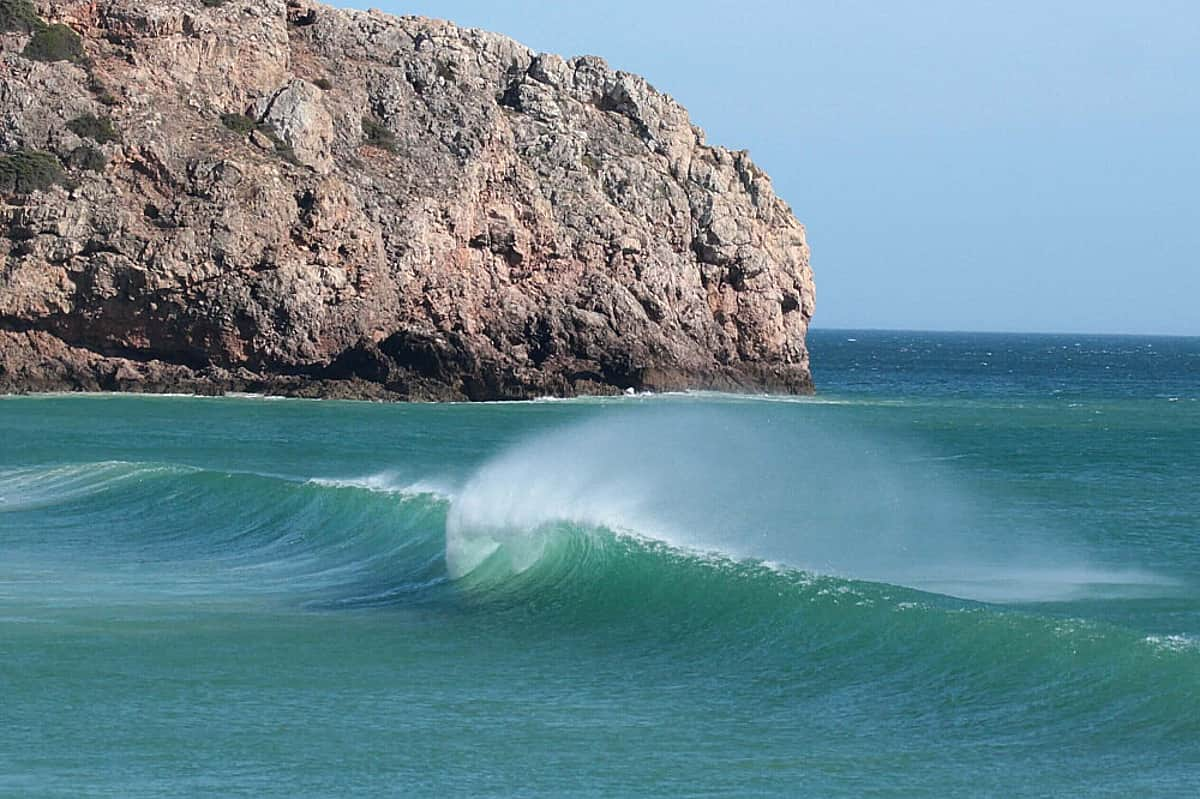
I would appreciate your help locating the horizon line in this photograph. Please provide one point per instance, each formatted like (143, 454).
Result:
(821, 329)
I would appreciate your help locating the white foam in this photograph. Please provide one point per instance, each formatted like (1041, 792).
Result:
(1173, 643)
(388, 482)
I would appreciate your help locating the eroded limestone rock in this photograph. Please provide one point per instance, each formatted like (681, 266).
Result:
(419, 211)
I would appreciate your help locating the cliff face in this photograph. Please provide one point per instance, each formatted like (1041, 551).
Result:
(260, 195)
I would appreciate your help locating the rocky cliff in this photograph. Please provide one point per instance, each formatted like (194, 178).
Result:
(260, 195)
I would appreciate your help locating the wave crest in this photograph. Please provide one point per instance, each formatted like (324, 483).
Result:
(810, 496)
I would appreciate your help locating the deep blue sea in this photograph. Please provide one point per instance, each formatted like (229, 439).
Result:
(970, 566)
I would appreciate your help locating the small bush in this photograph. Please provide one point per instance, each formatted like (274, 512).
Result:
(19, 233)
(103, 95)
(303, 19)
(286, 152)
(324, 84)
(19, 16)
(55, 43)
(244, 125)
(377, 134)
(282, 148)
(26, 171)
(213, 3)
(90, 126)
(87, 157)
(239, 123)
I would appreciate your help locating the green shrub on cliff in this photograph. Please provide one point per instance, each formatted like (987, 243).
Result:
(87, 157)
(90, 126)
(239, 123)
(55, 43)
(282, 148)
(29, 170)
(19, 16)
(103, 95)
(377, 134)
(245, 124)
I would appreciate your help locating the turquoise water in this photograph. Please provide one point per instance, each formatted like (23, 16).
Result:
(969, 567)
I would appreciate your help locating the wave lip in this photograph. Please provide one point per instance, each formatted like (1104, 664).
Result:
(34, 487)
(387, 482)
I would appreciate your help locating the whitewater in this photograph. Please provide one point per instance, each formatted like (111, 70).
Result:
(968, 567)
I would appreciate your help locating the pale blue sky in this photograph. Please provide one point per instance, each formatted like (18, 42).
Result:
(966, 165)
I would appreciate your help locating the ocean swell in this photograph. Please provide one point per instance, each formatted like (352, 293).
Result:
(552, 539)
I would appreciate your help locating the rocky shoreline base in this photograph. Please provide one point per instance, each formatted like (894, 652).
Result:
(35, 362)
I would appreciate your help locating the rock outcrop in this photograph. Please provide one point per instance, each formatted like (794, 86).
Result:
(282, 197)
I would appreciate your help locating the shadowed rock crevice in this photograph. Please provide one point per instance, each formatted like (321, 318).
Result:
(283, 197)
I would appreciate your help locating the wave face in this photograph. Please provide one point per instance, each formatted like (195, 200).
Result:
(747, 594)
(221, 534)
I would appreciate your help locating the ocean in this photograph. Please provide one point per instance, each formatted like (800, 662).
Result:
(970, 566)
